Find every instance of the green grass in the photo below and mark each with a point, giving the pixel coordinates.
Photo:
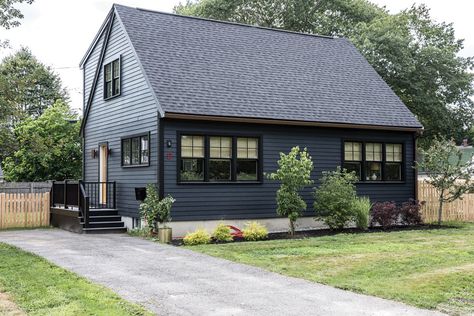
(427, 268)
(41, 288)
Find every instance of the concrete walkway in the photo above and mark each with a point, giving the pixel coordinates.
(176, 281)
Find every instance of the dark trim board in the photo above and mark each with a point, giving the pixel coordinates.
(161, 158)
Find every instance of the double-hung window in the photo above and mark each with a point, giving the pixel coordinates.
(112, 79)
(374, 161)
(136, 151)
(216, 158)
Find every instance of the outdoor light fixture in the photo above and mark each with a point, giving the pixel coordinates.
(169, 143)
(93, 153)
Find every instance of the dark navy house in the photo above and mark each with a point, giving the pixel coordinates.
(203, 108)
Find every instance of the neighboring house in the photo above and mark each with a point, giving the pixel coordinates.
(203, 109)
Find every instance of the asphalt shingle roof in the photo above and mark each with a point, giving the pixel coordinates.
(205, 67)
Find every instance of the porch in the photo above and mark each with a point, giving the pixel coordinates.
(85, 207)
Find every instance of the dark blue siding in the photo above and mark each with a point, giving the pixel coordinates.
(227, 201)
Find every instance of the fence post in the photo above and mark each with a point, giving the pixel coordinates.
(51, 199)
(65, 194)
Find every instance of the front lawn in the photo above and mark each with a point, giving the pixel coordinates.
(41, 288)
(427, 268)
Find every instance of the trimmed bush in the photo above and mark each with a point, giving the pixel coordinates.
(222, 233)
(198, 237)
(254, 231)
(384, 213)
(334, 198)
(361, 207)
(410, 212)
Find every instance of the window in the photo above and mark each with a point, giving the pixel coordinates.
(220, 158)
(373, 158)
(136, 151)
(192, 158)
(217, 158)
(112, 79)
(353, 157)
(374, 161)
(393, 164)
(247, 159)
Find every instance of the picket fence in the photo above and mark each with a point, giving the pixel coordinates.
(459, 210)
(22, 210)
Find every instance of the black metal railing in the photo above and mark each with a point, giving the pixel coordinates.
(84, 196)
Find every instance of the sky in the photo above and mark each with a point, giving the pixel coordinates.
(58, 32)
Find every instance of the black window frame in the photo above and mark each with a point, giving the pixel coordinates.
(140, 151)
(207, 137)
(112, 74)
(363, 162)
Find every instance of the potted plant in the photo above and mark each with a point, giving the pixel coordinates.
(156, 211)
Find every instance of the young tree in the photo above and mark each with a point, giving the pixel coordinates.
(49, 147)
(418, 57)
(447, 171)
(294, 173)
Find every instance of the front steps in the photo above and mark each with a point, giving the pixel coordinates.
(103, 221)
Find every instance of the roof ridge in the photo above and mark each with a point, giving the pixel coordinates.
(230, 23)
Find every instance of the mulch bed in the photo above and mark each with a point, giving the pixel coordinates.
(329, 232)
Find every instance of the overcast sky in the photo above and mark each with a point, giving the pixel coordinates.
(59, 32)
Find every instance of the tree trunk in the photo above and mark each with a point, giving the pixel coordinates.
(440, 209)
(292, 228)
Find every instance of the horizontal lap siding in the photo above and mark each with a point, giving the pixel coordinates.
(133, 112)
(233, 201)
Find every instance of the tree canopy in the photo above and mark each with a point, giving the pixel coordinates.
(49, 147)
(10, 16)
(415, 55)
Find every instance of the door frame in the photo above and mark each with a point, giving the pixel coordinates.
(103, 187)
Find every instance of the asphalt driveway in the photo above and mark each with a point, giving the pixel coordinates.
(176, 281)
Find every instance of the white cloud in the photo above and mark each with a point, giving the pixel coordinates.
(59, 32)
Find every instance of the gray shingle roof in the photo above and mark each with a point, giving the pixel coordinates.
(205, 67)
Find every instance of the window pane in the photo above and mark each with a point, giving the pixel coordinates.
(215, 152)
(247, 147)
(126, 151)
(198, 141)
(108, 89)
(221, 147)
(393, 171)
(116, 86)
(192, 170)
(373, 152)
(198, 152)
(135, 151)
(242, 153)
(116, 65)
(186, 140)
(252, 143)
(242, 142)
(393, 152)
(247, 170)
(352, 151)
(253, 153)
(226, 152)
(219, 169)
(145, 151)
(187, 152)
(192, 146)
(108, 72)
(373, 171)
(353, 167)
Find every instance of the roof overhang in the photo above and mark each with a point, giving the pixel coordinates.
(197, 117)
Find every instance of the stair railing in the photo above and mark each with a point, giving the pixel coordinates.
(84, 204)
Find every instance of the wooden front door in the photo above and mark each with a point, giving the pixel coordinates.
(103, 156)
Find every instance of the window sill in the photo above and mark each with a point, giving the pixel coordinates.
(218, 182)
(380, 182)
(112, 97)
(137, 166)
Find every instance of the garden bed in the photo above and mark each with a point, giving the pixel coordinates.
(330, 232)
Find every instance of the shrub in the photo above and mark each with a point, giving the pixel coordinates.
(384, 213)
(294, 173)
(334, 198)
(410, 212)
(254, 231)
(154, 210)
(198, 237)
(222, 233)
(361, 207)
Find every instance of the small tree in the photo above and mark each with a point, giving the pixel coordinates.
(334, 198)
(155, 210)
(294, 171)
(447, 171)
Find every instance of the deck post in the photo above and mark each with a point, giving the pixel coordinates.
(65, 194)
(51, 200)
(115, 195)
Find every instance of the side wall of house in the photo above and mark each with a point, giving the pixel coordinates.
(133, 112)
(236, 201)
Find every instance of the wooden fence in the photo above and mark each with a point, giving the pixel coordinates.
(25, 187)
(460, 210)
(21, 210)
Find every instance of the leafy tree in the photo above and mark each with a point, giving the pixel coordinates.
(294, 171)
(334, 198)
(49, 147)
(10, 16)
(447, 171)
(416, 56)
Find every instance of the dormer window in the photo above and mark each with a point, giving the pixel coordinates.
(112, 79)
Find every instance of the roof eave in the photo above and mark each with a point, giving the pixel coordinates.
(200, 117)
